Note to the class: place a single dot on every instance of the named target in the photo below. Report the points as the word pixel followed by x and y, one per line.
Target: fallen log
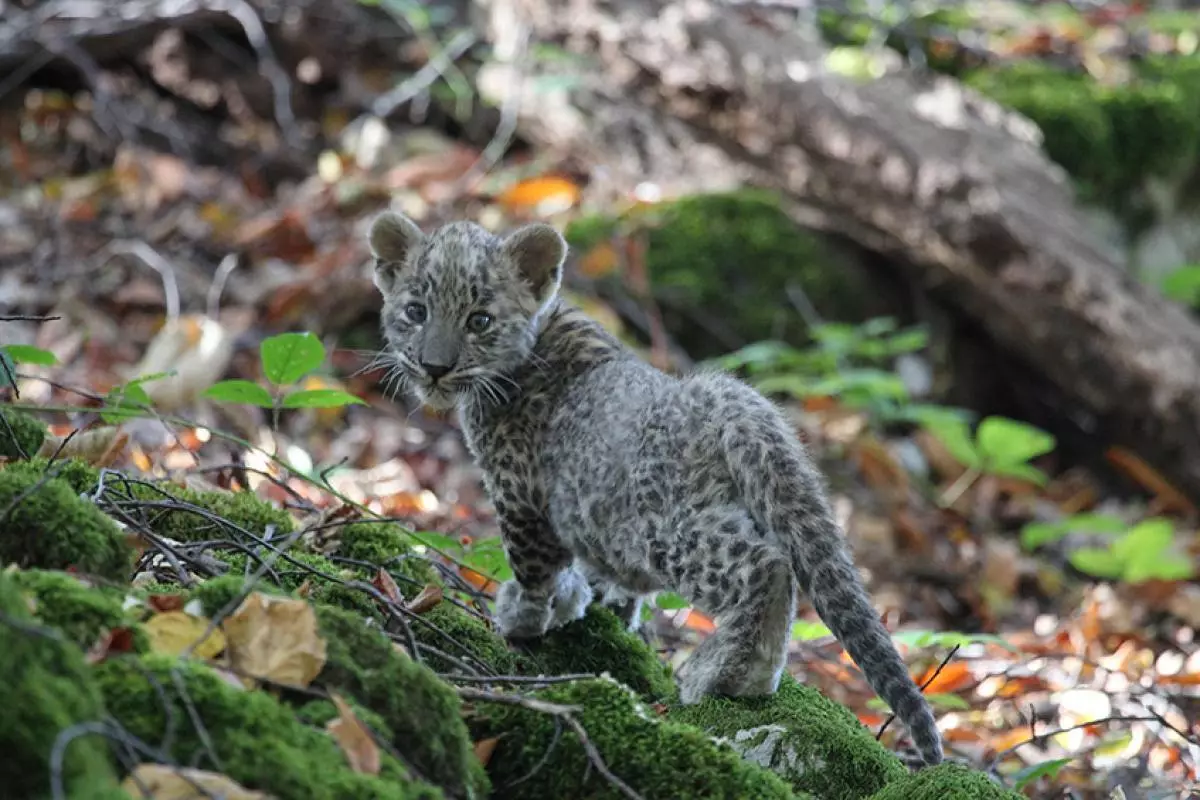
pixel 951 188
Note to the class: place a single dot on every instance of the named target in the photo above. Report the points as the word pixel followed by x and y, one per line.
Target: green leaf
pixel 1046 769
pixel 804 631
pixel 948 702
pixel 669 601
pixel 1159 567
pixel 795 385
pixel 237 391
pixel 1097 562
pixel 289 356
pixel 1183 285
pixel 955 436
pixel 26 354
pixel 1150 536
pixel 123 402
pixel 1025 472
pixel 321 398
pixel 437 541
pixel 948 639
pixel 1007 442
pixel 1036 534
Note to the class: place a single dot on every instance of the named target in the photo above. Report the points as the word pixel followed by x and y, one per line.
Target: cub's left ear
pixel 393 236
pixel 537 251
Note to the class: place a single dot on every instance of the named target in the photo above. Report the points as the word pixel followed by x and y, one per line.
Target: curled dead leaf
pixel 429 597
pixel 484 749
pixel 354 738
pixel 100 446
pixel 275 638
pixel 164 782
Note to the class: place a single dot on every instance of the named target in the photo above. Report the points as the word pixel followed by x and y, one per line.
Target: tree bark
pixel 952 188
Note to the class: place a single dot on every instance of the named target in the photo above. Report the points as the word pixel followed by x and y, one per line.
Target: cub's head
pixel 461 305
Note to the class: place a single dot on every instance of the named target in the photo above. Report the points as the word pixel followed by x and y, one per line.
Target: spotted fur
pixel 612 478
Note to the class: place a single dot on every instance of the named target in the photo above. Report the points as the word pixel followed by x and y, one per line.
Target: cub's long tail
pixel 831 582
pixel 786 495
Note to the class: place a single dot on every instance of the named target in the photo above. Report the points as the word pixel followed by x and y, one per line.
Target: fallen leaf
pixel 484 749
pixel 164 782
pixel 165 602
pixel 954 677
pixel 354 738
pixel 197 349
pixel 545 195
pixel 175 632
pixel 117 640
pixel 386 584
pixel 100 446
pixel 601 260
pixel 429 597
pixel 275 638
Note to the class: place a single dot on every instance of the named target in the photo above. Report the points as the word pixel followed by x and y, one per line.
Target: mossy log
pixel 949 186
pixel 612 721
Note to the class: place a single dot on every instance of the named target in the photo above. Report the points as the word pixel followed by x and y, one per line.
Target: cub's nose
pixel 436 371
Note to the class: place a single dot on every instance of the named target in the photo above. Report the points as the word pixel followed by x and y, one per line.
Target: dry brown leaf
pixel 175 632
pixel 196 348
pixel 543 196
pixel 275 638
pixel 164 782
pixel 484 749
pixel 386 584
pixel 99 446
pixel 354 738
pixel 601 260
pixel 429 597
pixel 118 640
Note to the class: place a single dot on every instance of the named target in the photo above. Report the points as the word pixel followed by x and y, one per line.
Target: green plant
pixel 999 446
pixel 1036 534
pixel 13 354
pixel 1143 553
pixel 1183 285
pixel 286 359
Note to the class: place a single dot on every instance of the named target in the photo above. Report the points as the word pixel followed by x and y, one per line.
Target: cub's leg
pixel 626 604
pixel 545 591
pixel 723 564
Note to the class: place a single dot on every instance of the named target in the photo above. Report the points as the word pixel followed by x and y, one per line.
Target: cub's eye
pixel 416 312
pixel 479 322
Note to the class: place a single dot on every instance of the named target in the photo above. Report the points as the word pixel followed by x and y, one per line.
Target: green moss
pixel 21 436
pixel 538 756
pixel 418 711
pixel 466 638
pixel 384 545
pixel 731 256
pixel 421 711
pixel 80 611
pixel 945 782
pixel 258 741
pixel 1110 138
pixel 45 688
pixel 81 477
pixel 814 743
pixel 301 567
pixel 318 714
pixel 47 525
pixel 245 510
pixel 600 643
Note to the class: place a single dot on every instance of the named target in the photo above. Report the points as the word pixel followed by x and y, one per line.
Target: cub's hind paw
pixel 520 616
pixel 572 595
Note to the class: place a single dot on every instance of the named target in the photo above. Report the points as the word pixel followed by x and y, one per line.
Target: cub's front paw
pixel 519 616
pixel 572 594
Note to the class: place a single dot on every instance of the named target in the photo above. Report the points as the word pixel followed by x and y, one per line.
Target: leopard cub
pixel 611 478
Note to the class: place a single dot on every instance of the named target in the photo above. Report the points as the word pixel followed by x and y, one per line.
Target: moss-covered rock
pixel 20 434
pixel 599 643
pixel 469 640
pixel 815 744
pixel 731 257
pixel 945 782
pixel 45 689
pixel 539 756
pixel 384 545
pixel 418 711
pixel 244 510
pixel 255 739
pixel 422 712
pixel 46 524
pixel 78 610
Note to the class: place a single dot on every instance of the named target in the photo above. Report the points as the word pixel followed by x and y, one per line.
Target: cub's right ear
pixel 393 236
